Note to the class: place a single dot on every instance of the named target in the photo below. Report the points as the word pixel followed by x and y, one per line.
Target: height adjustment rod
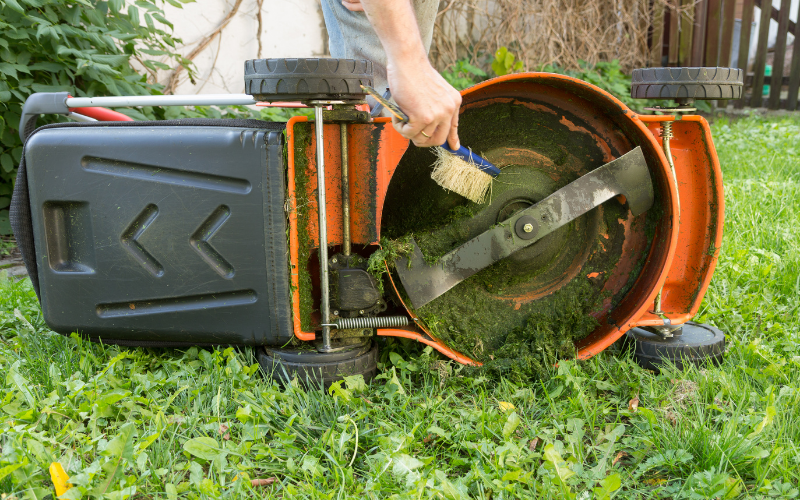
pixel 325 302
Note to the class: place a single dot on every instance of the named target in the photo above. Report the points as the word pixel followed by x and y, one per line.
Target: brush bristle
pixel 460 176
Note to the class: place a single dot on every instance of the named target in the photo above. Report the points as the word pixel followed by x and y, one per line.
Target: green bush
pixel 462 74
pixel 504 64
pixel 610 77
pixel 83 47
pixel 606 75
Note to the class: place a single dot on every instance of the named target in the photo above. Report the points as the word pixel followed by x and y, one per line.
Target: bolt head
pixel 335 313
pixel 527 227
pixel 333 260
pixel 361 312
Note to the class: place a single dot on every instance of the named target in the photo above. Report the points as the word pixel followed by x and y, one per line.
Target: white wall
pixel 290 28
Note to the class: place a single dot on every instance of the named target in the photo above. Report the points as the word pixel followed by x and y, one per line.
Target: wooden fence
pixel 701 33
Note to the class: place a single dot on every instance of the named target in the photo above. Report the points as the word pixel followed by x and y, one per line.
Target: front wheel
pixel 694 343
pixel 687 83
pixel 315 369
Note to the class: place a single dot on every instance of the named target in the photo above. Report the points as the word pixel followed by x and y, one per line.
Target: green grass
pixel 146 423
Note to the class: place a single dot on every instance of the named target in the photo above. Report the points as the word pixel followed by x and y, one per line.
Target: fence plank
pixel 657 37
pixel 726 38
pixel 744 43
pixel 699 32
pixel 761 58
pixel 794 79
pixel 780 52
pixel 775 14
pixel 674 42
pixel 713 15
pixel 687 27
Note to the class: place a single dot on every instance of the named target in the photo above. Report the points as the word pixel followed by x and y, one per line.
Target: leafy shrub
pixel 83 47
pixel 504 64
pixel 462 74
pixel 610 77
pixel 606 75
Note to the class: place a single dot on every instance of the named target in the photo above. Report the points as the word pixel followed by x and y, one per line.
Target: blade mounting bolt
pixel 526 227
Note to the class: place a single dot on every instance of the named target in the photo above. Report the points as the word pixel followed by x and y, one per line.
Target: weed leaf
pixel 404 466
pixel 769 416
pixel 512 422
pixel 557 463
pixel 608 486
pixel 13 376
pixel 8 469
pixel 203 447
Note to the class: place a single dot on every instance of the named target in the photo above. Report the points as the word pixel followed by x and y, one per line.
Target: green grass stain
pixel 302 140
pixel 478 317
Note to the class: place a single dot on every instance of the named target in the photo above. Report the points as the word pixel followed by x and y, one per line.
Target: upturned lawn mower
pixel 307 239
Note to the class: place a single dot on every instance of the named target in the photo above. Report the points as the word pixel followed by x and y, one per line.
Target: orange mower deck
pixel 683 249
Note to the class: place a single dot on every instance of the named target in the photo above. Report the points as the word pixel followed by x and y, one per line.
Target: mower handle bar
pixel 162 100
pixel 61 103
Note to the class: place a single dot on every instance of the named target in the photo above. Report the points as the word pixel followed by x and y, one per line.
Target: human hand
pixel 432 104
pixel 353 5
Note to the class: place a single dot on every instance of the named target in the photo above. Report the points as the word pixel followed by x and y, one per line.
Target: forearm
pixel 432 105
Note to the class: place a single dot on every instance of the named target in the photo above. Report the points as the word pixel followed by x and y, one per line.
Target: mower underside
pixel 161 233
pixel 199 232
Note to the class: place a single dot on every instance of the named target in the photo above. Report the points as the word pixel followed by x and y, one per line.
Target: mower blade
pixel 628 175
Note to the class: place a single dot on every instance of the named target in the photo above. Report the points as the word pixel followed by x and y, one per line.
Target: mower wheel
pixel 696 344
pixel 316 369
pixel 687 83
pixel 307 79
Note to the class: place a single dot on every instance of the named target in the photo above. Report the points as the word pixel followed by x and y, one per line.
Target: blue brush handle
pixel 466 155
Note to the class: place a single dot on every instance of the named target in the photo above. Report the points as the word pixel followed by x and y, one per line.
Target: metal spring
pixel 666 130
pixel 371 322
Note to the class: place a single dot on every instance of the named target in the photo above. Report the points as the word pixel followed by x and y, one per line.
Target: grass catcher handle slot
pixel 628 176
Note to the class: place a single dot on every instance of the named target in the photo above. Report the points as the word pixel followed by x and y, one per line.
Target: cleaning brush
pixel 460 171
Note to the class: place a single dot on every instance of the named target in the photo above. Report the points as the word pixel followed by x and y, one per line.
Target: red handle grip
pixel 102 114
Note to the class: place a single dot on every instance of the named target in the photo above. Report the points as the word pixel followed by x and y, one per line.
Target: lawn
pixel 145 423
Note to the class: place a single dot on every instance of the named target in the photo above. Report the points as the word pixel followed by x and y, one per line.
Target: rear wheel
pixel 315 369
pixel 307 79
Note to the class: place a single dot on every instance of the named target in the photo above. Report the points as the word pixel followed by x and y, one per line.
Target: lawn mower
pixel 307 239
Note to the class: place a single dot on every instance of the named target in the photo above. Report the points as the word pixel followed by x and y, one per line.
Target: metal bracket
pixel 342 113
pixel 628 175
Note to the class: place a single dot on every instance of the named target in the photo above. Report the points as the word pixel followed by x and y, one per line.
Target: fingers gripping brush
pixel 458 170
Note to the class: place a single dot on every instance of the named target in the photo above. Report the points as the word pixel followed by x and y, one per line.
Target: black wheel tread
pixel 321 373
pixel 651 351
pixel 306 78
pixel 687 83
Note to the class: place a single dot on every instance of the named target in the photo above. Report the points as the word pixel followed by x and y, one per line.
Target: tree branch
pixel 172 83
pixel 258 33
